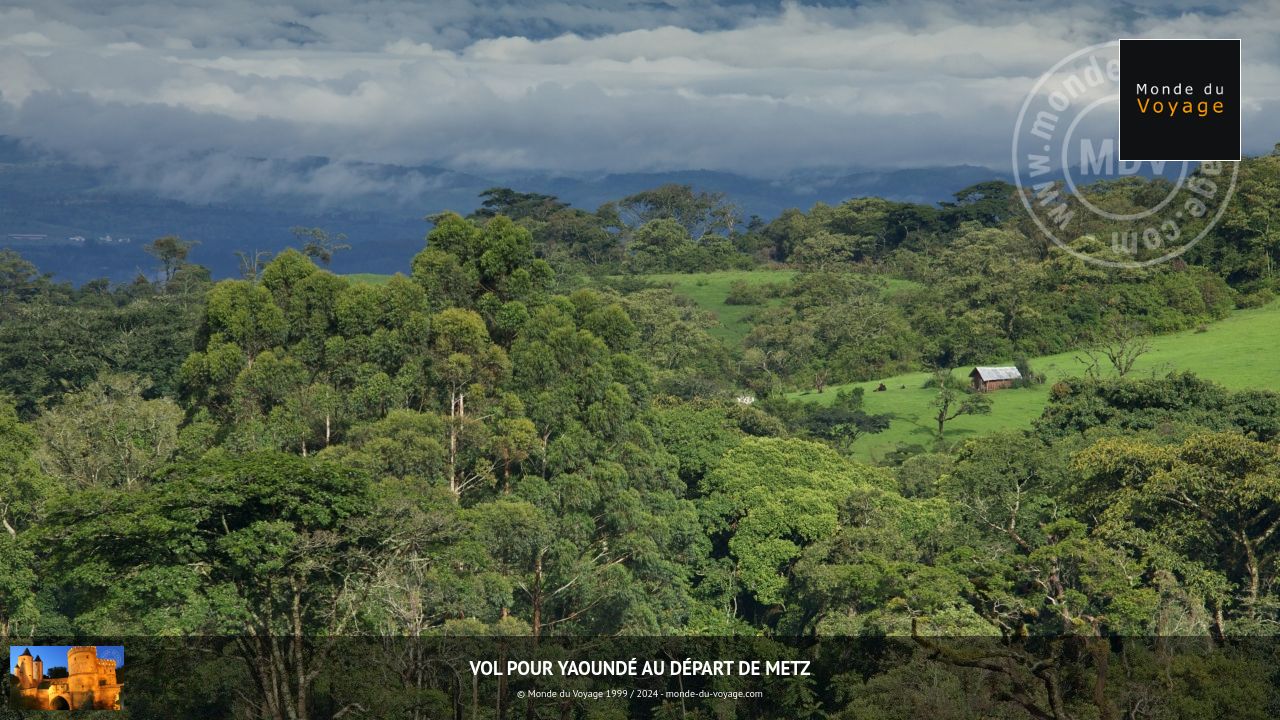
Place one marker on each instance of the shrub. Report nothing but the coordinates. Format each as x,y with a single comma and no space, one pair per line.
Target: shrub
743,293
1030,378
1255,299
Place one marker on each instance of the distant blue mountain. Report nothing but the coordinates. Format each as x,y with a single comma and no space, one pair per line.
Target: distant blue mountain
59,214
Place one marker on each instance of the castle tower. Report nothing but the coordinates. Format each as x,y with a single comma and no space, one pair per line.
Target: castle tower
26,670
82,675
38,669
106,672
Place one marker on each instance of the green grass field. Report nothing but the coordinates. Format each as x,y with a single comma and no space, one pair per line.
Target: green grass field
1238,352
369,278
709,290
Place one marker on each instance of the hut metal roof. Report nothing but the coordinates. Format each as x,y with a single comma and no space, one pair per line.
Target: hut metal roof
996,373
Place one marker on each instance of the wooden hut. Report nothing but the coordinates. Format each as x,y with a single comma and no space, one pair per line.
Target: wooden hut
986,379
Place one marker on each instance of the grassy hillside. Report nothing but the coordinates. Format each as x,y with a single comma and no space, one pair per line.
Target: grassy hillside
1238,352
370,278
709,290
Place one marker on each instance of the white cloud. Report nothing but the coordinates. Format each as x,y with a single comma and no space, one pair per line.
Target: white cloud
18,77
29,39
754,88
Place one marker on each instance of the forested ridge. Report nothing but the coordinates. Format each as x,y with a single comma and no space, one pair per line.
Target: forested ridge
525,435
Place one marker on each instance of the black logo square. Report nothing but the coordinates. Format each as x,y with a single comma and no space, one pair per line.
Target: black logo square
1179,100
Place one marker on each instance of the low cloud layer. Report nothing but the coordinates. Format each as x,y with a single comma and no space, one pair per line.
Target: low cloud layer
754,88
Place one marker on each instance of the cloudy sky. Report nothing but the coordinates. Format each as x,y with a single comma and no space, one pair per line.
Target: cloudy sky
760,88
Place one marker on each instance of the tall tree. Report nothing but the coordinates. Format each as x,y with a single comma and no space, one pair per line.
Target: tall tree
24,491
108,435
23,488
1212,501
171,251
769,498
318,244
954,400
698,212
465,265
467,365
19,279
517,205
246,314
1122,342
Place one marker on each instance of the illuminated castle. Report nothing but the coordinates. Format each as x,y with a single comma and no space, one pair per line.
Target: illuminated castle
90,682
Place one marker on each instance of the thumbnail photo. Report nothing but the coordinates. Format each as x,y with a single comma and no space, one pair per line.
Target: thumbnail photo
65,677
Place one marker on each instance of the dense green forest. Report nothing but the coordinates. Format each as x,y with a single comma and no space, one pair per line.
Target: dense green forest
530,434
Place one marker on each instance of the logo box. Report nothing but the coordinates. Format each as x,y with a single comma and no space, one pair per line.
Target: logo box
1180,100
